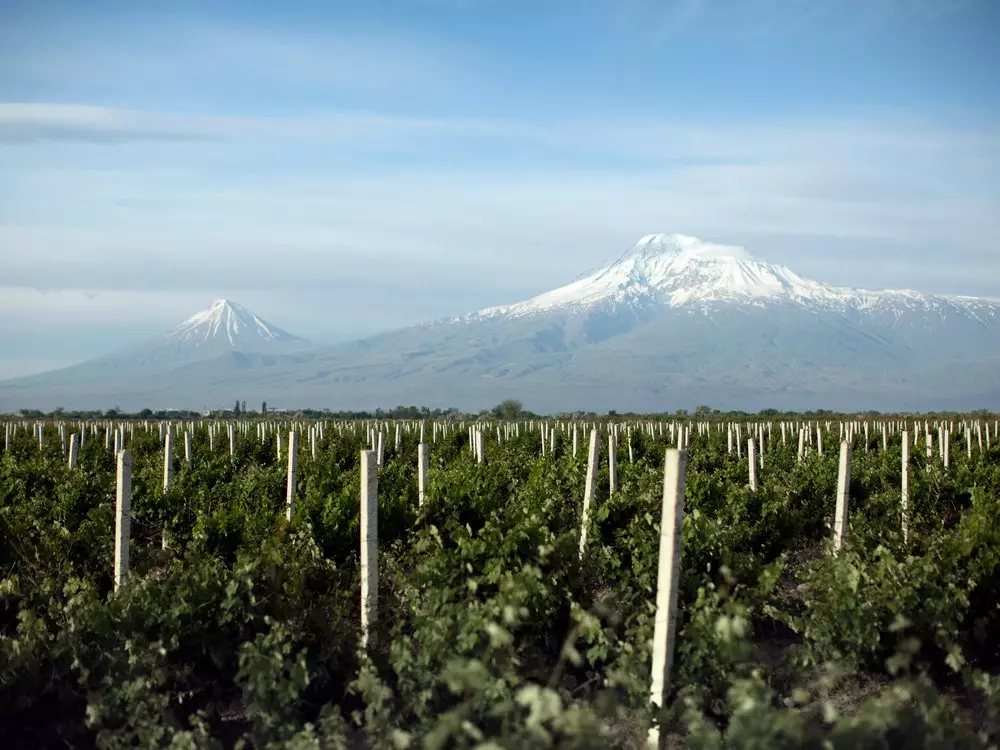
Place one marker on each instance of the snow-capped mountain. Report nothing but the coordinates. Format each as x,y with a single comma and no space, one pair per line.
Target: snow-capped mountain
677,270
224,336
240,327
672,323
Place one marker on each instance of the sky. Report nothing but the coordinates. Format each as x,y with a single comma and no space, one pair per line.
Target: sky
343,168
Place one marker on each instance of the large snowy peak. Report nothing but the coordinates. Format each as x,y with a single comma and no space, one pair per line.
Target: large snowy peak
675,271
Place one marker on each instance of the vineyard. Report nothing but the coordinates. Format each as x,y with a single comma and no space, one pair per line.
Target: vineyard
489,584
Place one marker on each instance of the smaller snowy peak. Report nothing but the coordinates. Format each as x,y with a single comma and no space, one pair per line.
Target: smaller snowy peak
228,321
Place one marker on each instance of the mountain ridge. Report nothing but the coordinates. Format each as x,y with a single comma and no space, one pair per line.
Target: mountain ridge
672,323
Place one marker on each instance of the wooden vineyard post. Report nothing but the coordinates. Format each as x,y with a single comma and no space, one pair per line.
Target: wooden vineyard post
369,547
667,583
293,462
74,449
123,516
423,461
752,463
843,489
905,486
589,487
612,463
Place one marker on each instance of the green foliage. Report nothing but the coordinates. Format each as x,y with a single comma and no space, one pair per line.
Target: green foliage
492,630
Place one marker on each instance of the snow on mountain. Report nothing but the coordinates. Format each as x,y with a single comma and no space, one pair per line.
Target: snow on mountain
231,321
677,270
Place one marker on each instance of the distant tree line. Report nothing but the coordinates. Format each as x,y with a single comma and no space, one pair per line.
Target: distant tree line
509,410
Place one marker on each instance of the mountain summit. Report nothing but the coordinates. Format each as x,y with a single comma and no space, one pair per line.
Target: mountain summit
227,321
676,269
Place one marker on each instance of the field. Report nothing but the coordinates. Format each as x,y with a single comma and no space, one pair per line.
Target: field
491,625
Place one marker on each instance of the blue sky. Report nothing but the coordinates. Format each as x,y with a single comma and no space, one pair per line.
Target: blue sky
346,167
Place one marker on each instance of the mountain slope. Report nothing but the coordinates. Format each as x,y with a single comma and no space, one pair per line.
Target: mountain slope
672,323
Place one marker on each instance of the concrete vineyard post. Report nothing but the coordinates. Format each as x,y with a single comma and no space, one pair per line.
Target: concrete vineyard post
930,447
293,463
576,440
168,475
589,487
123,516
905,487
168,459
802,444
423,461
232,441
612,464
667,583
752,463
369,547
380,448
74,449
843,489
187,448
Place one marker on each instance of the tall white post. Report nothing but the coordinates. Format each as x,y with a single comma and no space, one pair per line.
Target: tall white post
667,583
369,547
589,487
612,463
168,459
293,462
187,448
752,463
905,485
843,489
423,461
74,449
380,448
123,516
